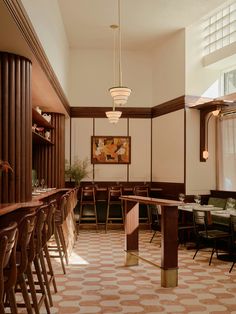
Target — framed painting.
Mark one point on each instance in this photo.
(110, 149)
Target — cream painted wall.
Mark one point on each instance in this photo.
(91, 75)
(140, 131)
(81, 132)
(200, 176)
(46, 19)
(140, 167)
(168, 147)
(169, 69)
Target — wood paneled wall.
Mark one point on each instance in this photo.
(15, 127)
(49, 160)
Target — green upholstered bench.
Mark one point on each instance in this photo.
(225, 204)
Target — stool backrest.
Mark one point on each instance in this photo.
(114, 193)
(88, 193)
(141, 190)
(26, 231)
(8, 241)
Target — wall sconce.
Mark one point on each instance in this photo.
(214, 113)
(207, 110)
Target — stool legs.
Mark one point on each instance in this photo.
(24, 290)
(51, 272)
(41, 283)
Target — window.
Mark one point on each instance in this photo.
(230, 82)
(220, 29)
(227, 153)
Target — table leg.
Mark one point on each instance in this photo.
(131, 232)
(169, 245)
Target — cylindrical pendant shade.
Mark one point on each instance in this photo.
(15, 124)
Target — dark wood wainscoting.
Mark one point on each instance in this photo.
(170, 190)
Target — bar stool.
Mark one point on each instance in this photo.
(35, 257)
(8, 271)
(114, 201)
(48, 231)
(54, 243)
(26, 230)
(60, 217)
(88, 202)
(143, 190)
(71, 204)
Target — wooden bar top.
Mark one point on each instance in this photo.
(10, 207)
(36, 201)
(150, 200)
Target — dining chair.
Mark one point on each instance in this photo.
(205, 234)
(155, 221)
(233, 234)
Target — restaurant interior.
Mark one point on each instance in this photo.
(117, 156)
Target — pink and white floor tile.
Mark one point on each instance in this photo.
(97, 282)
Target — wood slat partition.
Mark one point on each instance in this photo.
(49, 160)
(15, 128)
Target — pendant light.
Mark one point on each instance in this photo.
(119, 93)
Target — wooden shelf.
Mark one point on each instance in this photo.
(39, 139)
(39, 120)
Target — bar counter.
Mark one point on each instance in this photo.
(36, 201)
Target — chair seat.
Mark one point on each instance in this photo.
(213, 234)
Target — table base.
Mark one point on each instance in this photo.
(169, 278)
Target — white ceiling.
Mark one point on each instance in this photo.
(143, 22)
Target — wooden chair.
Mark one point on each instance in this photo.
(48, 231)
(34, 253)
(88, 209)
(115, 203)
(60, 217)
(8, 271)
(233, 234)
(143, 190)
(26, 230)
(156, 221)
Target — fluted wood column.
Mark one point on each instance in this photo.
(15, 127)
(49, 160)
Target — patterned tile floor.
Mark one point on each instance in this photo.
(97, 282)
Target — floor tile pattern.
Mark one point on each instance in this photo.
(97, 282)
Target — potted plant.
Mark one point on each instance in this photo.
(77, 171)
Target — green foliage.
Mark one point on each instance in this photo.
(77, 170)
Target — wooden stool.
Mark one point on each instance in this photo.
(60, 217)
(35, 256)
(143, 190)
(88, 199)
(26, 230)
(8, 272)
(114, 194)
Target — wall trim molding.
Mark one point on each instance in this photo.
(17, 11)
(99, 112)
(131, 112)
(168, 106)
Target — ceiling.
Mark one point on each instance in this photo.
(144, 23)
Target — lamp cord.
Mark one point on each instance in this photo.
(119, 23)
